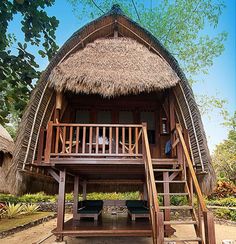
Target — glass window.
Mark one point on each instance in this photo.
(104, 117)
(126, 117)
(82, 116)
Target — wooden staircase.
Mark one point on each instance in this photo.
(160, 178)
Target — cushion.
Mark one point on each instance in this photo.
(135, 203)
(88, 210)
(141, 210)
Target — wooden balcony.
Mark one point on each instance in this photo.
(73, 142)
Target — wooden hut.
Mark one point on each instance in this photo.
(113, 108)
(6, 150)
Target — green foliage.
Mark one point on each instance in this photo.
(224, 202)
(224, 156)
(13, 210)
(178, 200)
(18, 68)
(30, 208)
(113, 196)
(35, 198)
(226, 214)
(178, 25)
(8, 198)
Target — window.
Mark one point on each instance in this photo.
(126, 117)
(149, 118)
(82, 116)
(104, 117)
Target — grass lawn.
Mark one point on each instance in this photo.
(7, 224)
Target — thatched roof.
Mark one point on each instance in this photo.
(42, 100)
(113, 66)
(6, 141)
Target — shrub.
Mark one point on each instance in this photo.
(30, 208)
(226, 214)
(38, 197)
(12, 210)
(227, 202)
(8, 198)
(179, 200)
(224, 189)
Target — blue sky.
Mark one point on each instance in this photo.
(220, 81)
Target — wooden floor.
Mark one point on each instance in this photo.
(108, 225)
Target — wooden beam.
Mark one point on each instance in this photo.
(84, 190)
(61, 201)
(76, 193)
(114, 182)
(54, 175)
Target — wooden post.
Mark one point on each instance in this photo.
(48, 142)
(145, 196)
(61, 201)
(166, 188)
(160, 228)
(84, 190)
(58, 106)
(209, 227)
(76, 193)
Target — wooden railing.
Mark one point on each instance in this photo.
(92, 140)
(157, 220)
(184, 156)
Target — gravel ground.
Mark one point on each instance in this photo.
(37, 233)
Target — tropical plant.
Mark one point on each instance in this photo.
(30, 208)
(13, 210)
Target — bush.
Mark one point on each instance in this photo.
(224, 189)
(35, 198)
(228, 214)
(227, 202)
(8, 198)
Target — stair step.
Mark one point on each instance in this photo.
(170, 181)
(167, 170)
(176, 207)
(182, 239)
(173, 222)
(173, 194)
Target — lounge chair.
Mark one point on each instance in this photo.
(137, 209)
(90, 209)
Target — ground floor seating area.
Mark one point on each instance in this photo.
(93, 209)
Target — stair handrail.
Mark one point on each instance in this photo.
(191, 169)
(156, 217)
(208, 216)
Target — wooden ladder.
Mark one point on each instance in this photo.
(163, 176)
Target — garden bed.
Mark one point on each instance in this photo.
(22, 222)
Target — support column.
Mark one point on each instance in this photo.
(145, 196)
(76, 193)
(166, 188)
(61, 202)
(209, 227)
(84, 190)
